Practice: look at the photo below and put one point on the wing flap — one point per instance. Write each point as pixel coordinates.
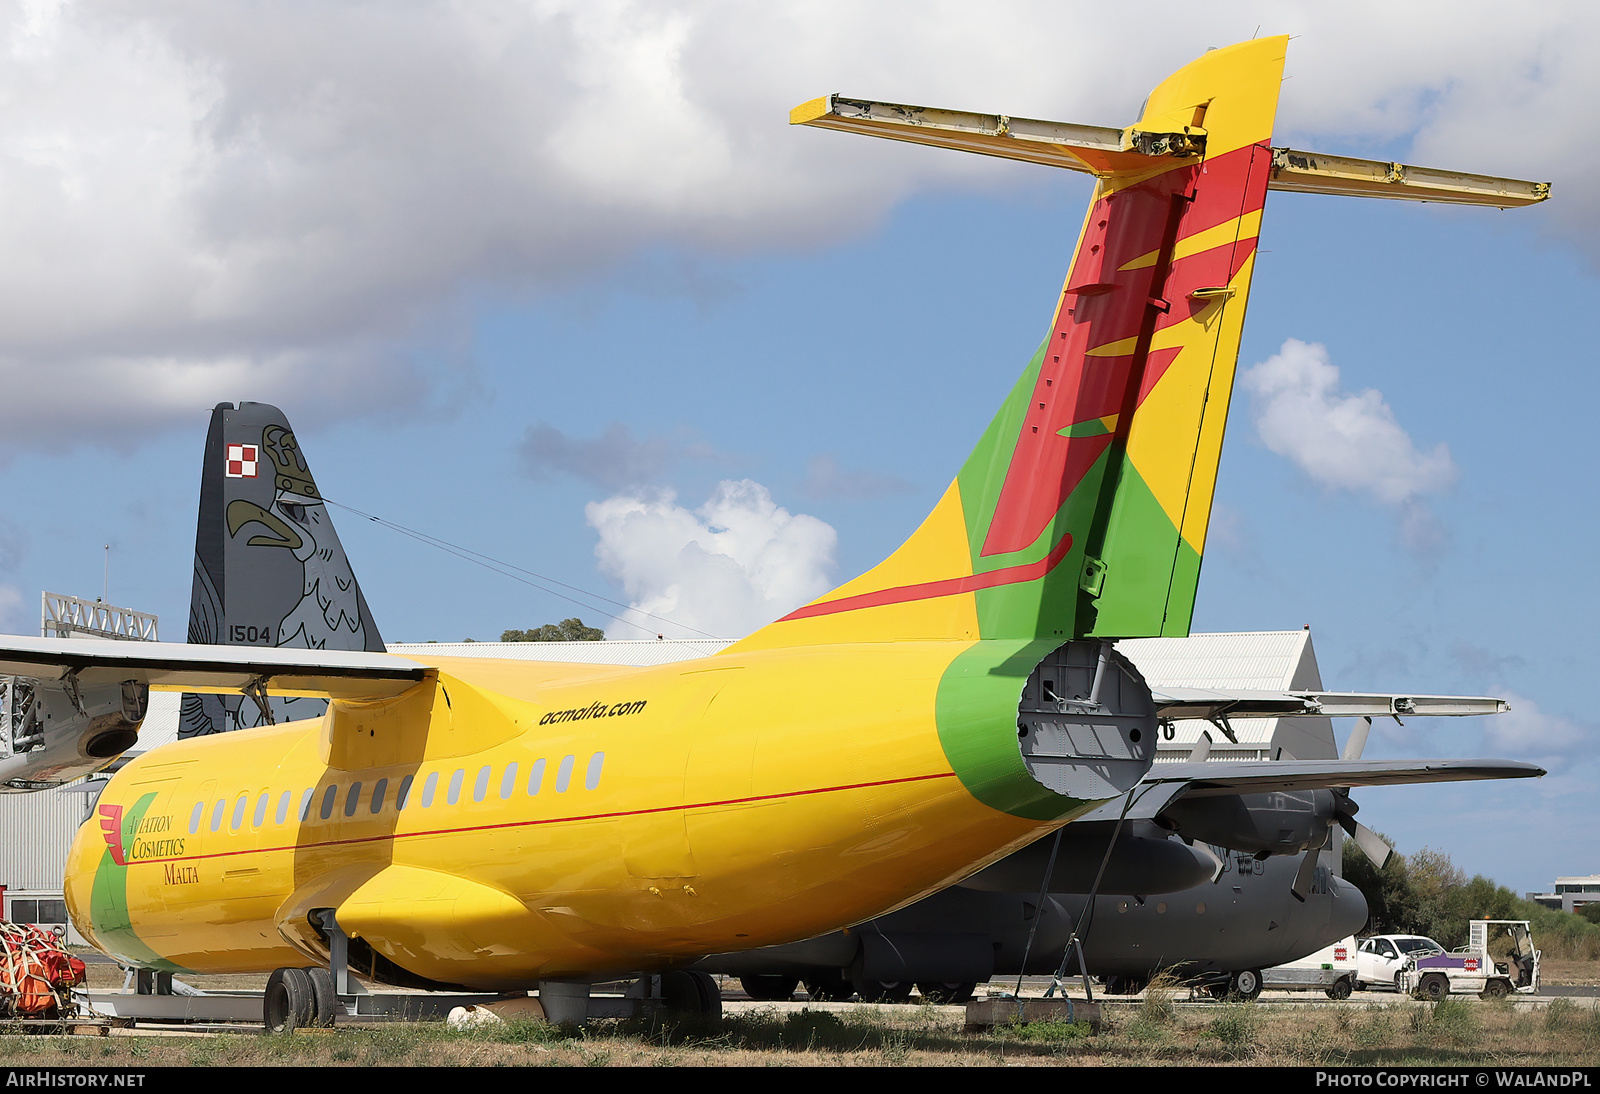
(1166, 783)
(1213, 703)
(173, 666)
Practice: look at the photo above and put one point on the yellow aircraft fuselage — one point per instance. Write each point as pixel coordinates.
(507, 822)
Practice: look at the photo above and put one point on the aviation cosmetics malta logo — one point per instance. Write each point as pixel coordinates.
(143, 847)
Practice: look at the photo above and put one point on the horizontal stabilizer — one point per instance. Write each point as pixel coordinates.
(1166, 783)
(177, 666)
(1212, 703)
(1101, 150)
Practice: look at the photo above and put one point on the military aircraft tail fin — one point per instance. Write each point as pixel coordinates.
(1083, 510)
(269, 570)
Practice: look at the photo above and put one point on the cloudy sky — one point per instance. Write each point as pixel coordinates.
(556, 282)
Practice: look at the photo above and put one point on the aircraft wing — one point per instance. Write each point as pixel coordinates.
(1211, 704)
(1166, 783)
(178, 666)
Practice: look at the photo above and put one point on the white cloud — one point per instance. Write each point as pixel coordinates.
(1525, 730)
(11, 611)
(194, 188)
(727, 568)
(1345, 441)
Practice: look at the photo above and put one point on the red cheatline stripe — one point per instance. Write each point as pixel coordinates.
(537, 823)
(950, 586)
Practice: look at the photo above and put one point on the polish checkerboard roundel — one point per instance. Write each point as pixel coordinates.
(242, 461)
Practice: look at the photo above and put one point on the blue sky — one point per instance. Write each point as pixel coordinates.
(516, 281)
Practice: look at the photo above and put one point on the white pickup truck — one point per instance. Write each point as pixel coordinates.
(1381, 960)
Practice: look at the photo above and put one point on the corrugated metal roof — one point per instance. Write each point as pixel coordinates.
(1258, 660)
(1262, 660)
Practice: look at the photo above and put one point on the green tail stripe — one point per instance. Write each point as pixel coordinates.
(976, 710)
(110, 922)
(1141, 546)
(1094, 427)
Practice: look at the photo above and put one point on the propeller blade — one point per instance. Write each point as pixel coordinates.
(1305, 875)
(1358, 740)
(1217, 865)
(1201, 749)
(1374, 846)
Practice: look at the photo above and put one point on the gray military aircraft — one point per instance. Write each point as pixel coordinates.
(1200, 881)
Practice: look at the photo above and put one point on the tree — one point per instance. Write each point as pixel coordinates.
(568, 630)
(1434, 880)
(1391, 905)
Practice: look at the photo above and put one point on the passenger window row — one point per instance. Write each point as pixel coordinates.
(355, 798)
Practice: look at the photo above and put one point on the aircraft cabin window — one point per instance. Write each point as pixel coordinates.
(402, 797)
(564, 773)
(261, 809)
(455, 785)
(591, 777)
(216, 813)
(352, 799)
(536, 777)
(329, 796)
(238, 810)
(194, 818)
(480, 788)
(305, 803)
(379, 789)
(283, 807)
(428, 788)
(508, 781)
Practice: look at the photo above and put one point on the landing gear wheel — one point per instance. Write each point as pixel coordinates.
(1125, 985)
(1246, 984)
(945, 992)
(1496, 989)
(1339, 989)
(1217, 991)
(883, 991)
(289, 1003)
(324, 1005)
(691, 992)
(770, 988)
(829, 989)
(1434, 987)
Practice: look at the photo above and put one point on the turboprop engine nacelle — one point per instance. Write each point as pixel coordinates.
(1260, 824)
(65, 731)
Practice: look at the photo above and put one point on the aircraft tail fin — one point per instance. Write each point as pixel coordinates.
(1083, 510)
(269, 569)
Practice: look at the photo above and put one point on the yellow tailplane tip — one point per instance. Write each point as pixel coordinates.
(809, 111)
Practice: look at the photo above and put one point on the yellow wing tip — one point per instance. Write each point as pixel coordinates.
(809, 111)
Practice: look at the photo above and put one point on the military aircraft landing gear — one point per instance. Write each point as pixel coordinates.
(946, 992)
(883, 991)
(770, 988)
(829, 989)
(1245, 984)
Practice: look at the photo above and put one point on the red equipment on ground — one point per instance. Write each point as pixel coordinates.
(36, 975)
